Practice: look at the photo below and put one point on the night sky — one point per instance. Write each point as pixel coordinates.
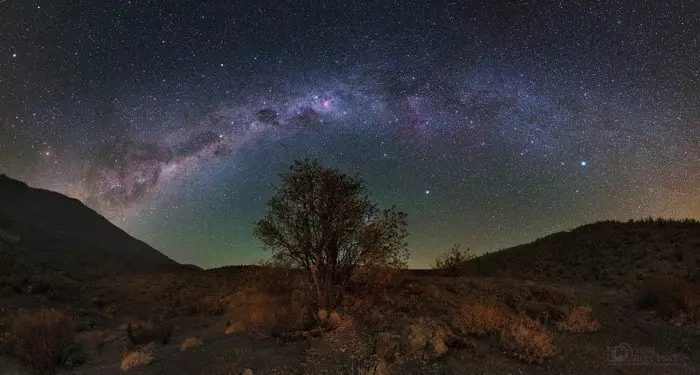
(491, 123)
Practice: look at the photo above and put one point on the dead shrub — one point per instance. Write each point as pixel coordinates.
(281, 319)
(579, 320)
(526, 339)
(137, 357)
(43, 338)
(144, 332)
(670, 297)
(189, 343)
(480, 318)
(452, 262)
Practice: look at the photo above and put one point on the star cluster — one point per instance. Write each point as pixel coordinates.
(490, 123)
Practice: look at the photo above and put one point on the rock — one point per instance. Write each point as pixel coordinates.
(422, 341)
(436, 346)
(413, 339)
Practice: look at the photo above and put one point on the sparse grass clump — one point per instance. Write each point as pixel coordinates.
(579, 320)
(527, 340)
(670, 297)
(189, 343)
(235, 327)
(480, 318)
(42, 338)
(137, 357)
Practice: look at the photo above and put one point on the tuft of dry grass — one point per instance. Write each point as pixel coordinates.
(480, 318)
(670, 297)
(137, 358)
(527, 340)
(41, 338)
(579, 320)
(235, 327)
(189, 343)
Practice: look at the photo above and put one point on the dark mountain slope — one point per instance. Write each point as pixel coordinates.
(609, 252)
(49, 230)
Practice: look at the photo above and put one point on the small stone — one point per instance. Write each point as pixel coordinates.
(436, 346)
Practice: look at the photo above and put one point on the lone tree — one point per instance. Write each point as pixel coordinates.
(321, 221)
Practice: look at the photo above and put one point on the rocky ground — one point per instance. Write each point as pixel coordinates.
(415, 327)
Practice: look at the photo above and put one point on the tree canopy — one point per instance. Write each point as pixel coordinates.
(320, 220)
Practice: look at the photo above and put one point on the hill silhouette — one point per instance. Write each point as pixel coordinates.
(608, 251)
(42, 230)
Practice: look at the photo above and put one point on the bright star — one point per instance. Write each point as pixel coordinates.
(583, 163)
(427, 192)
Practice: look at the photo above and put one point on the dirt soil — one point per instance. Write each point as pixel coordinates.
(630, 341)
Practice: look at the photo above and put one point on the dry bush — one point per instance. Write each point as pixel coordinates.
(137, 357)
(190, 342)
(671, 297)
(452, 262)
(42, 338)
(480, 318)
(579, 320)
(275, 302)
(527, 340)
(144, 332)
(281, 319)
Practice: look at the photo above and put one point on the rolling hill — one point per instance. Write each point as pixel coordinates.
(608, 252)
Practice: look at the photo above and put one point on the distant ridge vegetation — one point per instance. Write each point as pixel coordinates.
(608, 251)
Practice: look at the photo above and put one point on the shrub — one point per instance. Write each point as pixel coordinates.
(190, 342)
(579, 320)
(480, 318)
(670, 296)
(281, 320)
(149, 331)
(42, 338)
(527, 340)
(452, 262)
(138, 357)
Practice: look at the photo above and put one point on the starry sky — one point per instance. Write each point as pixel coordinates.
(491, 123)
